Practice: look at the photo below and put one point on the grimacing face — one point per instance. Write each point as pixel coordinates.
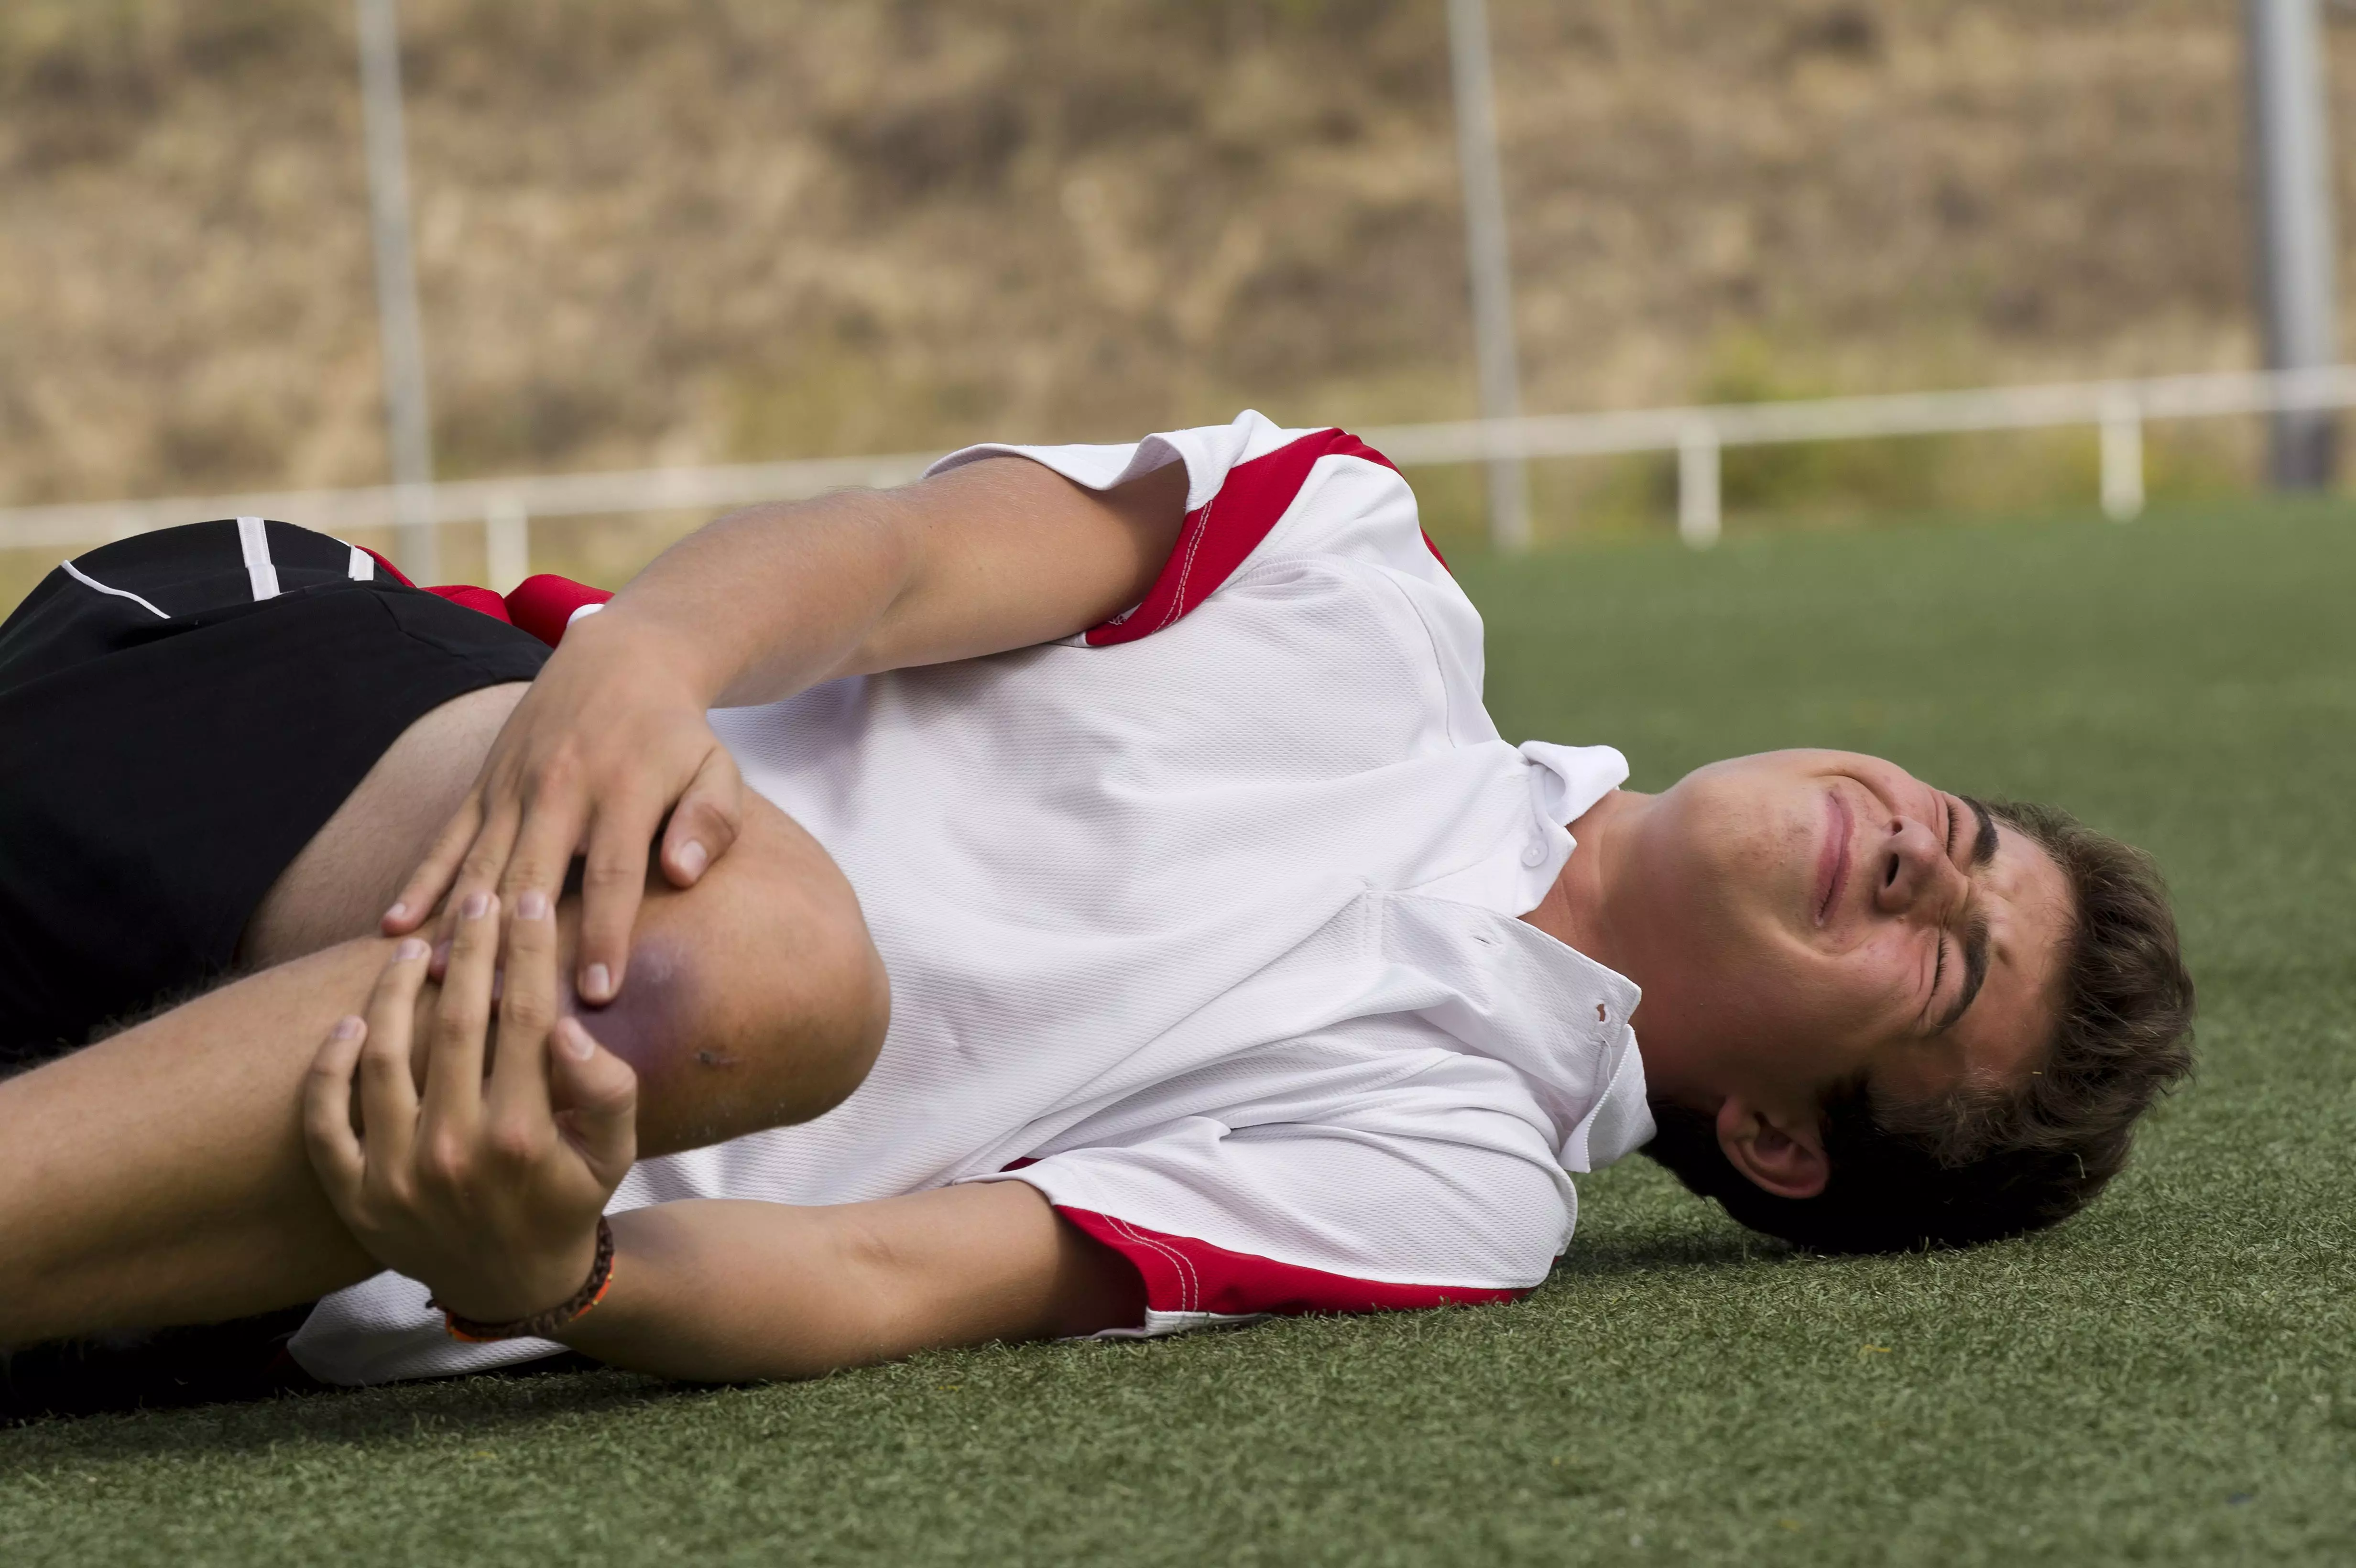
(1798, 918)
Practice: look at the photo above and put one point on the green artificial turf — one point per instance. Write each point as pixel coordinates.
(2172, 1378)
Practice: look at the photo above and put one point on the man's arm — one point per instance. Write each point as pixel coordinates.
(486, 1181)
(994, 555)
(612, 738)
(725, 1292)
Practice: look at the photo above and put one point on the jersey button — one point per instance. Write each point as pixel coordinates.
(1534, 854)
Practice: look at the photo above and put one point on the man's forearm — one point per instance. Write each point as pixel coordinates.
(723, 1291)
(996, 555)
(726, 1292)
(769, 600)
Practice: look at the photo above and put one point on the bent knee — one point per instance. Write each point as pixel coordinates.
(754, 1000)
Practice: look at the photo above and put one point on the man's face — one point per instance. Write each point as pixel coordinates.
(1798, 918)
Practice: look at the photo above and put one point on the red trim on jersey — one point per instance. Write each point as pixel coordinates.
(1183, 1275)
(478, 599)
(545, 605)
(1223, 530)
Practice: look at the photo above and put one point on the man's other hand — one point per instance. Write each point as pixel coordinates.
(484, 1187)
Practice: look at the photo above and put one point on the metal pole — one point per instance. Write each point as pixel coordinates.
(2121, 449)
(2292, 179)
(408, 434)
(507, 545)
(1487, 258)
(1699, 519)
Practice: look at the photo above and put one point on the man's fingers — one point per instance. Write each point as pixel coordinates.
(600, 1096)
(542, 856)
(454, 1075)
(328, 1133)
(613, 881)
(435, 873)
(487, 859)
(527, 1008)
(388, 1093)
(705, 822)
(540, 853)
(480, 869)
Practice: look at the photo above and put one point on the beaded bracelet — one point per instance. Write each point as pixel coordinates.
(541, 1325)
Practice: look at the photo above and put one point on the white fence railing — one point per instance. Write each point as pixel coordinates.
(506, 507)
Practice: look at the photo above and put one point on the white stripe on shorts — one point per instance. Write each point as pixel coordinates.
(87, 581)
(253, 539)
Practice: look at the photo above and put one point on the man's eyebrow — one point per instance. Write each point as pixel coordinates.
(1976, 958)
(1975, 935)
(1984, 841)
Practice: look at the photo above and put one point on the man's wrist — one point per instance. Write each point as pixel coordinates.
(647, 642)
(502, 1317)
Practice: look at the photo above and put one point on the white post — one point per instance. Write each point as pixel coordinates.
(399, 332)
(1698, 522)
(2290, 156)
(507, 545)
(1489, 262)
(2121, 430)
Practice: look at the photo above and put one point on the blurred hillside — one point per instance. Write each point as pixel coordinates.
(685, 230)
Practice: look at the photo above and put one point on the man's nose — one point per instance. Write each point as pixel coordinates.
(1914, 866)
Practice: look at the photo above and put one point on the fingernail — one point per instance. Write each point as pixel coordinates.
(576, 1041)
(597, 983)
(348, 1028)
(533, 905)
(409, 950)
(476, 906)
(398, 911)
(692, 858)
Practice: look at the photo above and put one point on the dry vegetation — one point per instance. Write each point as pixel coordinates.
(681, 230)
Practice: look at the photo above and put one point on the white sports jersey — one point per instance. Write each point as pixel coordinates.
(1201, 922)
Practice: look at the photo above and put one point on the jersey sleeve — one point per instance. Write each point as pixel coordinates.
(1225, 1224)
(1255, 492)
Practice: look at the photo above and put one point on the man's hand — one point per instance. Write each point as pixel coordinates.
(487, 1188)
(610, 739)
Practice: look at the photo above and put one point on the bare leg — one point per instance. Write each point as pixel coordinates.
(159, 1176)
(337, 888)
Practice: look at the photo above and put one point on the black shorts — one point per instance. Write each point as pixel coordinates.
(179, 713)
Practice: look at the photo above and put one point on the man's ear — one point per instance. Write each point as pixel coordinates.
(1782, 1153)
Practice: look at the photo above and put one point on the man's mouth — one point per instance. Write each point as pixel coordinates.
(1832, 861)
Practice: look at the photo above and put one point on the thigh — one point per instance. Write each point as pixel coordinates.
(338, 887)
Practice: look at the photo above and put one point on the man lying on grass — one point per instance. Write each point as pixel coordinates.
(1236, 965)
